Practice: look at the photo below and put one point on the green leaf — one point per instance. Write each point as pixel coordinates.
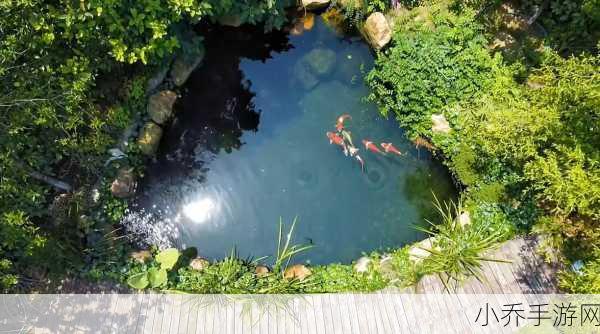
(167, 258)
(157, 277)
(138, 281)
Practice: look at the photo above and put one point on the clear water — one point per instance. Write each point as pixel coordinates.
(248, 146)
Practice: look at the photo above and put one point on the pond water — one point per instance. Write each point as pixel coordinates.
(248, 145)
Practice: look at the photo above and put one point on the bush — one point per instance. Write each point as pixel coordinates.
(427, 69)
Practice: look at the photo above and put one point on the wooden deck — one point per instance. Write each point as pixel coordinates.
(526, 274)
(526, 280)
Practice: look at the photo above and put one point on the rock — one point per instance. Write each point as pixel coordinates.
(320, 61)
(261, 271)
(160, 106)
(316, 64)
(440, 124)
(199, 264)
(416, 253)
(315, 4)
(149, 138)
(377, 30)
(362, 265)
(308, 21)
(386, 267)
(141, 256)
(230, 20)
(125, 183)
(298, 28)
(464, 219)
(297, 271)
(185, 64)
(157, 79)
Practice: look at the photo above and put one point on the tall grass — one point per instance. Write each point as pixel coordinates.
(458, 252)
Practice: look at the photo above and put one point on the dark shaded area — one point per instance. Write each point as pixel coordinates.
(222, 105)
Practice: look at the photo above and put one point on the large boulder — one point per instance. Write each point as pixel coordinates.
(297, 271)
(185, 64)
(160, 106)
(439, 124)
(377, 30)
(125, 183)
(149, 138)
(315, 4)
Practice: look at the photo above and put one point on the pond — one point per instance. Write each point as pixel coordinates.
(248, 145)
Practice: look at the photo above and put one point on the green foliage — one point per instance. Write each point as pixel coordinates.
(427, 69)
(585, 280)
(573, 25)
(138, 281)
(343, 278)
(167, 258)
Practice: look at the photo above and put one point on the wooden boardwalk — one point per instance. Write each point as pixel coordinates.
(526, 273)
(527, 280)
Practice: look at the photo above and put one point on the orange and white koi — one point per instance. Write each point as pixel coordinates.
(339, 125)
(371, 147)
(336, 139)
(389, 148)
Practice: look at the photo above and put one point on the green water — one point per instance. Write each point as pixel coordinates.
(248, 146)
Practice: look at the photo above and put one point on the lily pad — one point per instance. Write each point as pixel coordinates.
(167, 258)
(157, 277)
(138, 281)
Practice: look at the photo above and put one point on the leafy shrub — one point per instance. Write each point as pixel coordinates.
(583, 280)
(427, 69)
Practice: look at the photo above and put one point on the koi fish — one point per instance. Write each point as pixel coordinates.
(347, 136)
(340, 121)
(362, 162)
(389, 148)
(371, 147)
(352, 150)
(334, 138)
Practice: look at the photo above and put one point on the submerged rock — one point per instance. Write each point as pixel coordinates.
(316, 64)
(377, 30)
(362, 265)
(125, 183)
(320, 61)
(297, 271)
(315, 4)
(149, 138)
(160, 106)
(185, 64)
(199, 263)
(439, 124)
(141, 256)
